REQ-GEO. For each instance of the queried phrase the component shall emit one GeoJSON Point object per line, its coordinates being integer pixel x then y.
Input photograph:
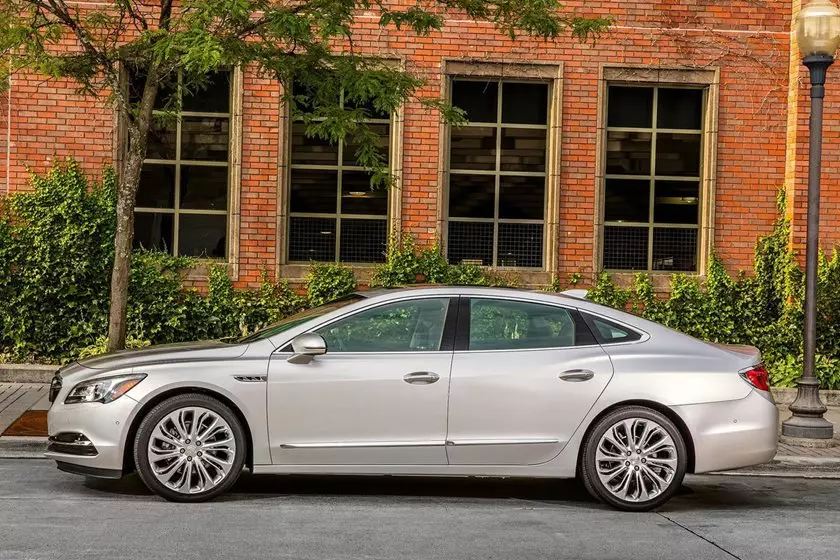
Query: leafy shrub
{"type": "Point", "coordinates": [407, 264]}
{"type": "Point", "coordinates": [56, 247]}
{"type": "Point", "coordinates": [328, 282]}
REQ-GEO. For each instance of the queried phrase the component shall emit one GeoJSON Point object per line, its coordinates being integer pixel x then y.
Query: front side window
{"type": "Point", "coordinates": [497, 324]}
{"type": "Point", "coordinates": [652, 178]}
{"type": "Point", "coordinates": [334, 215]}
{"type": "Point", "coordinates": [407, 326]}
{"type": "Point", "coordinates": [497, 173]}
{"type": "Point", "coordinates": [182, 201]}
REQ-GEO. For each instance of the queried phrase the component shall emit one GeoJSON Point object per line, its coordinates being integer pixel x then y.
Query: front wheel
{"type": "Point", "coordinates": [190, 448]}
{"type": "Point", "coordinates": [634, 459]}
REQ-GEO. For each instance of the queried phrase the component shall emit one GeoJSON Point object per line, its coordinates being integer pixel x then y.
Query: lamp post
{"type": "Point", "coordinates": [818, 33]}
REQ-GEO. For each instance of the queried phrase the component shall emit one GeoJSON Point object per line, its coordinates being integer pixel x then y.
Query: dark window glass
{"type": "Point", "coordinates": [204, 138]}
{"type": "Point", "coordinates": [627, 200]}
{"type": "Point", "coordinates": [157, 186]}
{"type": "Point", "coordinates": [311, 239]}
{"type": "Point", "coordinates": [524, 103]}
{"type": "Point", "coordinates": [406, 326]}
{"type": "Point", "coordinates": [357, 196]}
{"type": "Point", "coordinates": [607, 332]}
{"type": "Point", "coordinates": [470, 243]}
{"type": "Point", "coordinates": [680, 108]}
{"type": "Point", "coordinates": [371, 112]}
{"type": "Point", "coordinates": [163, 139]}
{"type": "Point", "coordinates": [478, 98]}
{"type": "Point", "coordinates": [630, 107]}
{"type": "Point", "coordinates": [518, 325]}
{"type": "Point", "coordinates": [678, 154]}
{"type": "Point", "coordinates": [202, 235]}
{"type": "Point", "coordinates": [625, 248]}
{"type": "Point", "coordinates": [472, 148]}
{"type": "Point", "coordinates": [363, 241]}
{"type": "Point", "coordinates": [313, 191]}
{"type": "Point", "coordinates": [311, 151]}
{"type": "Point", "coordinates": [203, 187]}
{"type": "Point", "coordinates": [674, 249]}
{"type": "Point", "coordinates": [677, 202]}
{"type": "Point", "coordinates": [520, 245]}
{"type": "Point", "coordinates": [628, 152]}
{"type": "Point", "coordinates": [350, 148]}
{"type": "Point", "coordinates": [521, 197]}
{"type": "Point", "coordinates": [214, 97]}
{"type": "Point", "coordinates": [471, 196]}
{"type": "Point", "coordinates": [166, 90]}
{"type": "Point", "coordinates": [523, 149]}
{"type": "Point", "coordinates": [153, 231]}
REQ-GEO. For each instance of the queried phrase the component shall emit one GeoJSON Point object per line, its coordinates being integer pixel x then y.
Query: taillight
{"type": "Point", "coordinates": [758, 377]}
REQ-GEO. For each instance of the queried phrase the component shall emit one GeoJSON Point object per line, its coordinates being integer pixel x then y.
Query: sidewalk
{"type": "Point", "coordinates": [23, 411]}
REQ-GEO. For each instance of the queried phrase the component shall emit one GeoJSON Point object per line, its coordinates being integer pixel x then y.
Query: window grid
{"type": "Point", "coordinates": [498, 173]}
{"type": "Point", "coordinates": [653, 177]}
{"type": "Point", "coordinates": [339, 168]}
{"type": "Point", "coordinates": [176, 210]}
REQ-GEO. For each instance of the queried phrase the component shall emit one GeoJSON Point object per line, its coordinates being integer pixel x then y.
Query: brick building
{"type": "Point", "coordinates": [663, 140]}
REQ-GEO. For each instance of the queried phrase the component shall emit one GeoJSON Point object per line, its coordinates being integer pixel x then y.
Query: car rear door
{"type": "Point", "coordinates": [524, 375]}
{"type": "Point", "coordinates": [377, 397]}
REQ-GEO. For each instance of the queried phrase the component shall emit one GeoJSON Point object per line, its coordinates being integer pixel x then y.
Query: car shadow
{"type": "Point", "coordinates": [694, 495]}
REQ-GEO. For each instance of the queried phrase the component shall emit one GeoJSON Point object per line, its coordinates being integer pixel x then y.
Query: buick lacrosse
{"type": "Point", "coordinates": [434, 381]}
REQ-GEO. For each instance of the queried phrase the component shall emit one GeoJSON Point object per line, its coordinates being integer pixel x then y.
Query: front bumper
{"type": "Point", "coordinates": [104, 425]}
{"type": "Point", "coordinates": [732, 434]}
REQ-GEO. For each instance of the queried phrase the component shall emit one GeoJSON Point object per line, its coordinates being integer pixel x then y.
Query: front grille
{"type": "Point", "coordinates": [55, 387]}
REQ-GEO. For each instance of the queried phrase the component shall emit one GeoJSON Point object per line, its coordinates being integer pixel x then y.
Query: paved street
{"type": "Point", "coordinates": [46, 514]}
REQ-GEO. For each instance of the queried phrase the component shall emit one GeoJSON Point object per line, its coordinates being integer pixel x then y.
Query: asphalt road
{"type": "Point", "coordinates": [46, 514]}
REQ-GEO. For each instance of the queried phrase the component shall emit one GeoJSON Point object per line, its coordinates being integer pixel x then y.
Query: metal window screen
{"type": "Point", "coordinates": [496, 181]}
{"type": "Point", "coordinates": [520, 245]}
{"type": "Point", "coordinates": [653, 149]}
{"type": "Point", "coordinates": [326, 181]}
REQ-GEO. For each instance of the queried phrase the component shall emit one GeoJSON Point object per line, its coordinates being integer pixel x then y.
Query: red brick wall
{"type": "Point", "coordinates": [746, 39]}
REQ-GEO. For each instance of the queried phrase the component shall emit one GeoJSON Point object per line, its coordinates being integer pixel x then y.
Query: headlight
{"type": "Point", "coordinates": [104, 389]}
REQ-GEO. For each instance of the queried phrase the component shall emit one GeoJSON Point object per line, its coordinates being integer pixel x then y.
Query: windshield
{"type": "Point", "coordinates": [298, 319]}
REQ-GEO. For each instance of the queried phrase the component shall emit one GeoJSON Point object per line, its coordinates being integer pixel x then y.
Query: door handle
{"type": "Point", "coordinates": [421, 378]}
{"type": "Point", "coordinates": [577, 375]}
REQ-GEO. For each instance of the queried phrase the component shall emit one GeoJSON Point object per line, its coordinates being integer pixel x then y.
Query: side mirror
{"type": "Point", "coordinates": [306, 347]}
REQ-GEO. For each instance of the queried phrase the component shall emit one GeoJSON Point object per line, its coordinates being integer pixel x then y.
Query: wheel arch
{"type": "Point", "coordinates": [685, 433]}
{"type": "Point", "coordinates": [128, 465]}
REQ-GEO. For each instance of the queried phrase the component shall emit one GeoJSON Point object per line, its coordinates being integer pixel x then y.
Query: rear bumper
{"type": "Point", "coordinates": [732, 434]}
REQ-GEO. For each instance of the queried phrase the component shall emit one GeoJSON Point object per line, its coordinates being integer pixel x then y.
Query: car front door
{"type": "Point", "coordinates": [524, 375]}
{"type": "Point", "coordinates": [377, 397]}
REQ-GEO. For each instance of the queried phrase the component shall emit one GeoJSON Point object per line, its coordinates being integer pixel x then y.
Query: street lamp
{"type": "Point", "coordinates": [818, 33]}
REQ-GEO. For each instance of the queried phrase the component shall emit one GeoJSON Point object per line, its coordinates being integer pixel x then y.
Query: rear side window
{"type": "Point", "coordinates": [607, 332]}
{"type": "Point", "coordinates": [497, 324]}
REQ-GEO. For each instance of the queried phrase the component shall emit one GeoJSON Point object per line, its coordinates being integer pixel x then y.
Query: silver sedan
{"type": "Point", "coordinates": [433, 381]}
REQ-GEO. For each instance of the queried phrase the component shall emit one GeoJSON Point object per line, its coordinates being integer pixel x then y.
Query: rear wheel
{"type": "Point", "coordinates": [634, 459]}
{"type": "Point", "coordinates": [190, 448]}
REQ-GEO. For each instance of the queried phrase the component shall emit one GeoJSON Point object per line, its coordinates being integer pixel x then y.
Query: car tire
{"type": "Point", "coordinates": [613, 470]}
{"type": "Point", "coordinates": [166, 456]}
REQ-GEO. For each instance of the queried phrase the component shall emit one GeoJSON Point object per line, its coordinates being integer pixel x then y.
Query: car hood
{"type": "Point", "coordinates": [185, 351]}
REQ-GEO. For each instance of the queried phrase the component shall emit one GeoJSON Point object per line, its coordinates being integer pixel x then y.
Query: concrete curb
{"type": "Point", "coordinates": [22, 447]}
{"type": "Point", "coordinates": [26, 373]}
{"type": "Point", "coordinates": [785, 395]}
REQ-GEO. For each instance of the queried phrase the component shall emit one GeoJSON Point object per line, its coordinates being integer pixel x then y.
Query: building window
{"type": "Point", "coordinates": [497, 173]}
{"type": "Point", "coordinates": [654, 149]}
{"type": "Point", "coordinates": [334, 215]}
{"type": "Point", "coordinates": [182, 201]}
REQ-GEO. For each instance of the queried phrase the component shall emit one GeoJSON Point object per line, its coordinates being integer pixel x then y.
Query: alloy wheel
{"type": "Point", "coordinates": [191, 450]}
{"type": "Point", "coordinates": [636, 459]}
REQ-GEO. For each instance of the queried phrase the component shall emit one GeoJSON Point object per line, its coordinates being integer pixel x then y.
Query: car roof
{"type": "Point", "coordinates": [457, 290]}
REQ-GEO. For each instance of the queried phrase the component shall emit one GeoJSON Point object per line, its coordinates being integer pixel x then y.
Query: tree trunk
{"type": "Point", "coordinates": [129, 181]}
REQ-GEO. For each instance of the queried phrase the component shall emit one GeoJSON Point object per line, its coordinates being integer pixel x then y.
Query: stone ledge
{"type": "Point", "coordinates": [26, 373]}
{"type": "Point", "coordinates": [784, 395]}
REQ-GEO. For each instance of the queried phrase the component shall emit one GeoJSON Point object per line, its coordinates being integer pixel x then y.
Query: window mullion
{"type": "Point", "coordinates": [652, 193]}
{"type": "Point", "coordinates": [497, 178]}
